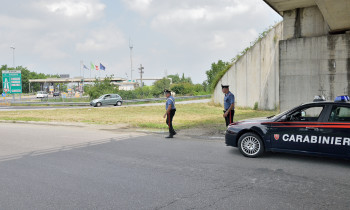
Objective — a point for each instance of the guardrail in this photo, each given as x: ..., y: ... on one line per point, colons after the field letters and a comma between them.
x: 88, y: 103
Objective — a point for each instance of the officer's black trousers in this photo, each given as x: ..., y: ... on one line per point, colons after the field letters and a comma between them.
x: 229, y: 118
x: 169, y: 121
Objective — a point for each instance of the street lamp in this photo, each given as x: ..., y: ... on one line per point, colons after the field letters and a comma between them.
x: 13, y: 55
x: 130, y: 46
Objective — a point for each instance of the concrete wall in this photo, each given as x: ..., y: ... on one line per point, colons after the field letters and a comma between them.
x: 313, y: 66
x: 254, y: 77
x: 304, y: 22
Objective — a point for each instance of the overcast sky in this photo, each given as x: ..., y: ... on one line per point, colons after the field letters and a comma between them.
x: 169, y: 36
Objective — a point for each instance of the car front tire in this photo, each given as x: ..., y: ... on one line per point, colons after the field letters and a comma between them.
x: 250, y: 145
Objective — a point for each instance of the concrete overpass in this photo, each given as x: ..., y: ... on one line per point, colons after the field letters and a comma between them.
x: 77, y: 80
x: 307, y: 54
x: 335, y: 12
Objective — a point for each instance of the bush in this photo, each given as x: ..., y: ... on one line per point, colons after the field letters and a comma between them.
x: 256, y: 106
x: 100, y: 88
x: 187, y: 88
x: 219, y: 76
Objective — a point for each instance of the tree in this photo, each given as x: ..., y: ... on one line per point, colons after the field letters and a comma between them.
x: 215, y: 69
x: 159, y: 86
x: 186, y: 79
x: 100, y: 87
x: 175, y: 78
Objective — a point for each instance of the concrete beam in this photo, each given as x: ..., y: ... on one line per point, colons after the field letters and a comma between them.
x: 284, y: 5
x: 71, y: 80
x: 336, y: 13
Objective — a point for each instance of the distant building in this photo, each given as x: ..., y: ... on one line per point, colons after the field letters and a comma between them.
x: 127, y: 85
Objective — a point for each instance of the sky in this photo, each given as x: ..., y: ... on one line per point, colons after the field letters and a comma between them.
x: 168, y: 36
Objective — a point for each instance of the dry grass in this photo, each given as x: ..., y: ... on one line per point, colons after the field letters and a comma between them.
x: 187, y: 115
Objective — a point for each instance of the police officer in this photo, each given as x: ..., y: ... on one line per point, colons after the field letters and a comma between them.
x: 170, y: 112
x: 229, y: 105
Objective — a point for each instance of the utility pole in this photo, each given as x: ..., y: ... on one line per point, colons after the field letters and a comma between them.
x: 141, y: 72
x: 131, y: 47
x: 13, y: 55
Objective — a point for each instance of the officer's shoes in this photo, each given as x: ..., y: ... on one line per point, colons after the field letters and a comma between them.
x: 174, y: 133
x: 169, y: 137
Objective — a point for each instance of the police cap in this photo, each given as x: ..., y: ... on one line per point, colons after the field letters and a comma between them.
x: 224, y: 86
x: 167, y: 91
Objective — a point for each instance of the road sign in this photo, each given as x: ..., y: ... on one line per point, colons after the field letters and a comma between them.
x: 3, y: 94
x: 12, y: 81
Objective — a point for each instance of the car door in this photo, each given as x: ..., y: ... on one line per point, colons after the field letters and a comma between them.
x: 335, y: 139
x: 298, y: 130
x: 114, y: 99
x: 106, y: 100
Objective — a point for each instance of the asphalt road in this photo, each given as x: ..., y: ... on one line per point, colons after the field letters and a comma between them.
x: 55, y: 167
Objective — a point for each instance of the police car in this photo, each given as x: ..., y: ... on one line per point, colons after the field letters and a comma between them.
x: 317, y: 128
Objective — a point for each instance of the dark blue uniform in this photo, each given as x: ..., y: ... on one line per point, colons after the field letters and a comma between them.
x: 170, y: 116
x: 228, y: 100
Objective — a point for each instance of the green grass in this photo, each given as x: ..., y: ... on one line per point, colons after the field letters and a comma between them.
x: 187, y: 116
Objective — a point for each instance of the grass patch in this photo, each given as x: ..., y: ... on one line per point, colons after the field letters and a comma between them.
x: 187, y: 115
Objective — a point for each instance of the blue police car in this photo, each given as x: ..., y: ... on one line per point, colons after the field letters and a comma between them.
x: 317, y: 128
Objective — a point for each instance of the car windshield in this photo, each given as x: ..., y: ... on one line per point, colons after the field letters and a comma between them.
x: 101, y: 97
x: 279, y: 115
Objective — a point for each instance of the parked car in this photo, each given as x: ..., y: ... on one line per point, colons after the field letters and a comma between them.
x: 56, y: 94
x: 42, y: 94
x: 319, y: 128
x: 107, y: 99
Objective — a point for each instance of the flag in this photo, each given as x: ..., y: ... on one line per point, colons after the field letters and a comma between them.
x: 92, y: 66
x: 85, y: 67
x: 102, y: 67
x: 96, y: 68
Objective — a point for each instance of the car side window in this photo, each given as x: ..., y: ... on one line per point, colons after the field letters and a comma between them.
x: 340, y: 114
x: 107, y: 96
x: 114, y: 96
x: 309, y: 114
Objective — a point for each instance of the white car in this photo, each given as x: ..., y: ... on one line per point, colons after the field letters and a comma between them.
x: 42, y: 94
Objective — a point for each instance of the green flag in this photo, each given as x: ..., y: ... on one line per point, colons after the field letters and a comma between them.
x: 92, y: 66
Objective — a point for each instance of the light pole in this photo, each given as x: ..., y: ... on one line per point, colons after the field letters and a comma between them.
x: 141, y: 72
x: 130, y: 46
x: 13, y: 55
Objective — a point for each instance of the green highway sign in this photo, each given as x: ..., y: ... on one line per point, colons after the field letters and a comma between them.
x: 12, y: 81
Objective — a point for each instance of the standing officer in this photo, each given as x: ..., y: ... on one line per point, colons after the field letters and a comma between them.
x: 170, y: 112
x: 229, y: 105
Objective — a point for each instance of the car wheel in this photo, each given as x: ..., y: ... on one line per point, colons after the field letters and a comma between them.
x: 250, y: 145
x: 98, y: 104
x: 119, y: 103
